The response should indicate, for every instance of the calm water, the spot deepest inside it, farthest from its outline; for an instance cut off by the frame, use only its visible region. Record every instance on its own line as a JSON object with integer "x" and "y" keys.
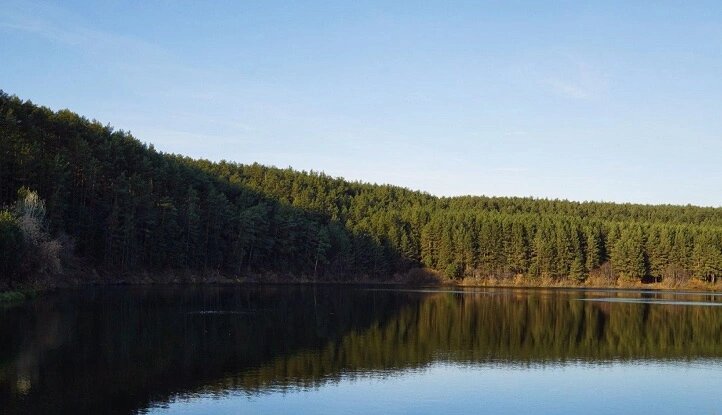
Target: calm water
{"x": 336, "y": 350}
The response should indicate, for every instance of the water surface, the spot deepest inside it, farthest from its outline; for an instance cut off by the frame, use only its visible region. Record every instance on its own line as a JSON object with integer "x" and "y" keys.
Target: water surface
{"x": 360, "y": 350}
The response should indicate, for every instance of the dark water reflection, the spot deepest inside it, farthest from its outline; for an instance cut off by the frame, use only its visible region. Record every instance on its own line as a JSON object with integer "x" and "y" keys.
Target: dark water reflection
{"x": 127, "y": 350}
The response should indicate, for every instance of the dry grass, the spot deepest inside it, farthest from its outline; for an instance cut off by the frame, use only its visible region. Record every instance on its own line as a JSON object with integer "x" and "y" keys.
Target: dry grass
{"x": 591, "y": 282}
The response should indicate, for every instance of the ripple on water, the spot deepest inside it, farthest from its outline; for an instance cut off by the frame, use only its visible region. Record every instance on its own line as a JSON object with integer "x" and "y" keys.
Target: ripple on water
{"x": 652, "y": 301}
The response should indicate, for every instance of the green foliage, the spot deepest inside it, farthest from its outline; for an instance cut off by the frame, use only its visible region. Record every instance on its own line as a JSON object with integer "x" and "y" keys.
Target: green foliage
{"x": 707, "y": 257}
{"x": 454, "y": 271}
{"x": 628, "y": 255}
{"x": 576, "y": 270}
{"x": 13, "y": 298}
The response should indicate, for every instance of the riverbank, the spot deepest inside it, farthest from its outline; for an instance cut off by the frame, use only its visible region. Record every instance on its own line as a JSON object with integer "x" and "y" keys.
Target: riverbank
{"x": 418, "y": 277}
{"x": 692, "y": 285}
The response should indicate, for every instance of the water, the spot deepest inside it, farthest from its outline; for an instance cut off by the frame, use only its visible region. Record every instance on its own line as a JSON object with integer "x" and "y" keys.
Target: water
{"x": 361, "y": 350}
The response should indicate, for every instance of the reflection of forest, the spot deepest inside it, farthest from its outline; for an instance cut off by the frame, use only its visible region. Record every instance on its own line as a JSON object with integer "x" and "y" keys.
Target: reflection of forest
{"x": 124, "y": 349}
{"x": 509, "y": 328}
{"x": 116, "y": 350}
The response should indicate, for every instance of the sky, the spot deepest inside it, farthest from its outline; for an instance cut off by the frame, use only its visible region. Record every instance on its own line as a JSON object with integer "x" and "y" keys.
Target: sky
{"x": 606, "y": 101}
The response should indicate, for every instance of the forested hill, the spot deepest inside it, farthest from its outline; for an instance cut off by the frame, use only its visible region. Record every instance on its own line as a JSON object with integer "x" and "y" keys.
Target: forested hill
{"x": 120, "y": 205}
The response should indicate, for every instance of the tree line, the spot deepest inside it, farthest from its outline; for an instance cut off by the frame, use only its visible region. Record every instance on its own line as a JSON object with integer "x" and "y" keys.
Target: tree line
{"x": 121, "y": 205}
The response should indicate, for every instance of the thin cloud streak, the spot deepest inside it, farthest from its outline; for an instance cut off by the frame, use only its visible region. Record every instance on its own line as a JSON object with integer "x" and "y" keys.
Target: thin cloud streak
{"x": 581, "y": 82}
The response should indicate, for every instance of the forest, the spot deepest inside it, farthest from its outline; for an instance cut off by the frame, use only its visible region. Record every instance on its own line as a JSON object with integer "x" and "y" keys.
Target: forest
{"x": 75, "y": 191}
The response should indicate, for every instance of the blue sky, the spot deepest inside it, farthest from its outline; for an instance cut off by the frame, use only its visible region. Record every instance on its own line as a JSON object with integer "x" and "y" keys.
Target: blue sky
{"x": 585, "y": 101}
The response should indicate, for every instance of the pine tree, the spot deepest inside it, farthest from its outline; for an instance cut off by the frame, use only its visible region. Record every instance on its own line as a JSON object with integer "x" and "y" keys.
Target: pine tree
{"x": 628, "y": 255}
{"x": 593, "y": 248}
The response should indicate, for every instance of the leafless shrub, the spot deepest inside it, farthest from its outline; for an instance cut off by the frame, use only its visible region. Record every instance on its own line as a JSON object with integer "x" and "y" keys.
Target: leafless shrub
{"x": 675, "y": 275}
{"x": 604, "y": 274}
{"x": 44, "y": 252}
{"x": 49, "y": 256}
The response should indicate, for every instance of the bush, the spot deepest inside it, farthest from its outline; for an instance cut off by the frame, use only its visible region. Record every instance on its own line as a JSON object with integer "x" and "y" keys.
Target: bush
{"x": 11, "y": 246}
{"x": 11, "y": 297}
{"x": 26, "y": 247}
{"x": 44, "y": 252}
{"x": 454, "y": 271}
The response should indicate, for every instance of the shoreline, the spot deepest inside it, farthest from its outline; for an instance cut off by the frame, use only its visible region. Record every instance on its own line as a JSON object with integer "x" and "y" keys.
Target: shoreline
{"x": 415, "y": 279}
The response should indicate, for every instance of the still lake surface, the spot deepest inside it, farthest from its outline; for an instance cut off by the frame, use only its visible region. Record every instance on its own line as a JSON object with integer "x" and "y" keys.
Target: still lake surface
{"x": 361, "y": 350}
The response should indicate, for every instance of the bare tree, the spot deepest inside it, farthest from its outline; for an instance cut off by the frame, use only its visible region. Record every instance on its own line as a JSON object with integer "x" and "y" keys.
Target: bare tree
{"x": 44, "y": 251}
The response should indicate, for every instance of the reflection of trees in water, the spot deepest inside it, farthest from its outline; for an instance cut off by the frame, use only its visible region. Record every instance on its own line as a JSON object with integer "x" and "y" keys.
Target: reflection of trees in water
{"x": 124, "y": 349}
{"x": 117, "y": 350}
{"x": 507, "y": 329}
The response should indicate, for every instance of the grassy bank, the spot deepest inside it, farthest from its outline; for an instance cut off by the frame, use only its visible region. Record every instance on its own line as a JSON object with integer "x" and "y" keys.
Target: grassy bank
{"x": 519, "y": 282}
{"x": 417, "y": 277}
{"x": 426, "y": 277}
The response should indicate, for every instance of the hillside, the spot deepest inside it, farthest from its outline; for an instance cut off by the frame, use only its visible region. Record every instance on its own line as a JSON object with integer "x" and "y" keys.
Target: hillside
{"x": 113, "y": 203}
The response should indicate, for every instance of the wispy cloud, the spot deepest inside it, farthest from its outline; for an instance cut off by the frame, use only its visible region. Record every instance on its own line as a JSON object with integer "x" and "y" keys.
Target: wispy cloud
{"x": 515, "y": 133}
{"x": 141, "y": 68}
{"x": 577, "y": 80}
{"x": 510, "y": 170}
{"x": 56, "y": 25}
{"x": 569, "y": 89}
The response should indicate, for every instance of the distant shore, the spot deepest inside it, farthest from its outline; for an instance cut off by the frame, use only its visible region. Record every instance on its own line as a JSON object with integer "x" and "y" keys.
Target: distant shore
{"x": 414, "y": 278}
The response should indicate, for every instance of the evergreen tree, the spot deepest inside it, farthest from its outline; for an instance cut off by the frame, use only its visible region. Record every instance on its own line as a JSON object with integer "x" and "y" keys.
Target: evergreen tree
{"x": 628, "y": 255}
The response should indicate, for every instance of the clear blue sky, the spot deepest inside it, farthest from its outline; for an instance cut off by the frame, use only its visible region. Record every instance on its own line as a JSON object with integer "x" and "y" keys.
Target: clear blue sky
{"x": 585, "y": 101}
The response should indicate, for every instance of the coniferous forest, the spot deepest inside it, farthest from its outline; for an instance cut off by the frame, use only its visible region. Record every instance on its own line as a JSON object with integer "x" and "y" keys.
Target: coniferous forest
{"x": 77, "y": 191}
